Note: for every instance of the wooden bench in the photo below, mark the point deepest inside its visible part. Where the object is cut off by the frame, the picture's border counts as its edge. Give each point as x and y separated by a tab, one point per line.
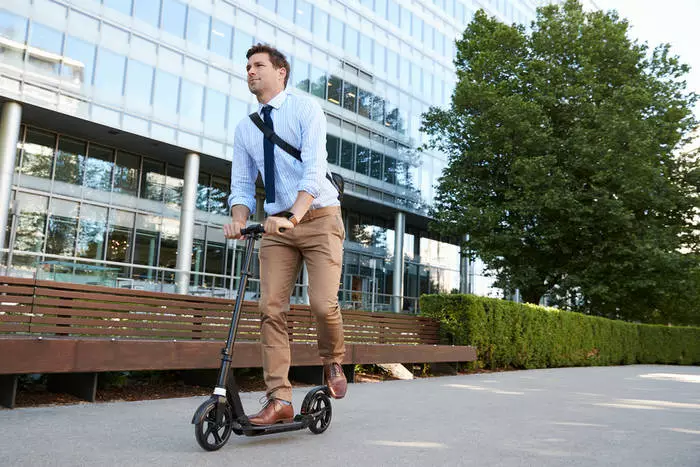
72	332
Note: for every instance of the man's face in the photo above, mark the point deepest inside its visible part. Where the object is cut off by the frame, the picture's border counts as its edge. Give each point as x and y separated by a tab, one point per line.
262	75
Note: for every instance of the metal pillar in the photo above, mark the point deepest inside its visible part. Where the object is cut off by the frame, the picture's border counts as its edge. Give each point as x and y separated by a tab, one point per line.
305	284
466	274
10	120
184	244
399	230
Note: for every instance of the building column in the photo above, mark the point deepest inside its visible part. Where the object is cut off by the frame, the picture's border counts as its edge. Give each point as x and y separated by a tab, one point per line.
466	277
10	120
185	242
399	230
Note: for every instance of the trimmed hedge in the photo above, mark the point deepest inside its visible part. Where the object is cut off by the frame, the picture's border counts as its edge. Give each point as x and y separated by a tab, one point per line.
515	335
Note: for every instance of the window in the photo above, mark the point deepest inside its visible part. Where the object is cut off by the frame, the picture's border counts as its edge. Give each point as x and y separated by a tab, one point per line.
335	90
241	44
350	96
428	32
377	109
376	167
392	64
352	39
390	170
109	75
320	27
218	195
364	103
237	110
366	46
300	75
285	9
269	4
126	173
173	20
191	101
392	13
362	160
123	6
333	149
416	78
174	184
165	95
91	232
406	20
318	82
417	28
80	67
347	155
220	41
49	43
380	8
215	111
146	244
29	235
302	16
335	31
139	84
12	26
379	58
198	27
121	229
69	161
62	227
152	180
98	168
147	11
37	156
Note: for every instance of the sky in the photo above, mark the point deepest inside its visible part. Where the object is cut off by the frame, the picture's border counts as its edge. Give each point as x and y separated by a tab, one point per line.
667	21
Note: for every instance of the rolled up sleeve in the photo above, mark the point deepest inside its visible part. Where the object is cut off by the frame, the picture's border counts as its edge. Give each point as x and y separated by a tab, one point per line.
243	175
313	149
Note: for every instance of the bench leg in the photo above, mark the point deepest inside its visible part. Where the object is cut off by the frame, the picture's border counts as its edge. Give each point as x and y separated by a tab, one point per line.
8	390
443	368
82	385
314	374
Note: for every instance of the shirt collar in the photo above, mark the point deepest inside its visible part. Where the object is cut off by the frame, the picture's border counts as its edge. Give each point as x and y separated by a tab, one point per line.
276	102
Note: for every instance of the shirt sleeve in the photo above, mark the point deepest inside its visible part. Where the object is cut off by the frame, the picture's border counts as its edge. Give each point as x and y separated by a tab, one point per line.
313	149
243	174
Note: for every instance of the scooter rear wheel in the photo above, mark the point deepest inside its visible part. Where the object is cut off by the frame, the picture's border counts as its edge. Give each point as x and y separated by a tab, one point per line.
321	411
211	435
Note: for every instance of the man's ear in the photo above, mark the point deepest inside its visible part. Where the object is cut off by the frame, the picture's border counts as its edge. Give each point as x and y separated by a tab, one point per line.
283	72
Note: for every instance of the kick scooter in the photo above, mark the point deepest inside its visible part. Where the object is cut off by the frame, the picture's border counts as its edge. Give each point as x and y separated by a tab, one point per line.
222	413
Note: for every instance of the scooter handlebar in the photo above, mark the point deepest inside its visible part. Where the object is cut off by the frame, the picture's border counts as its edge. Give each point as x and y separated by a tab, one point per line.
254	229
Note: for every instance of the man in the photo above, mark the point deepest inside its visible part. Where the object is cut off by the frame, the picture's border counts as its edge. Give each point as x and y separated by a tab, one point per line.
303	224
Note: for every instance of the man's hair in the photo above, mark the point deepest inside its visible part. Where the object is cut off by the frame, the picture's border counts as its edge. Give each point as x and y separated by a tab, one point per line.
276	57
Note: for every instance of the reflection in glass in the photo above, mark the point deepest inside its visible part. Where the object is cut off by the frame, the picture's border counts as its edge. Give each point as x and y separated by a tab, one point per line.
126	173
318	82
37	156
69	161
218	196
221	36
148	11
168	246
198	27
109	74
146	245
347	155
300	75
320	27
362	160
98	168
173	20
14	28
333	149
350	96
202	200
139	84
390	170
44	55
80	67
92	230
29	235
365	103
376	167
174	183
335	90
152	180
121	228
191	101
303	14
165	95
62	227
377	109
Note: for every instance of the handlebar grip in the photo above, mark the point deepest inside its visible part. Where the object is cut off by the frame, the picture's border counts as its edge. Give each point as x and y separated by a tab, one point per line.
253	229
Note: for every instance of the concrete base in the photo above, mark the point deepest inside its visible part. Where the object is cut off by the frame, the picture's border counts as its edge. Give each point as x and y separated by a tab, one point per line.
8	390
82	385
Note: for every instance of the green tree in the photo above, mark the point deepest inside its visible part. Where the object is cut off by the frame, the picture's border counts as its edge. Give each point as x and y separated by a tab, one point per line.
562	144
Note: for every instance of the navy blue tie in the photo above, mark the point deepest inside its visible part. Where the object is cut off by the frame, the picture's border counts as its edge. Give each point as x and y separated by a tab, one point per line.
269	158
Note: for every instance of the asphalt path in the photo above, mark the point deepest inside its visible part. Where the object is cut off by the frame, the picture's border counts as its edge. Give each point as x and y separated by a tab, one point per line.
611	416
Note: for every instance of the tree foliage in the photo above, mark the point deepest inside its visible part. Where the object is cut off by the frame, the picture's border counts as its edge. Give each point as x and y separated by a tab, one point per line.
563	164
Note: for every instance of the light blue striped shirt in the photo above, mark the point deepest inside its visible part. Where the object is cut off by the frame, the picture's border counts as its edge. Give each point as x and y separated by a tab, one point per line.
300	121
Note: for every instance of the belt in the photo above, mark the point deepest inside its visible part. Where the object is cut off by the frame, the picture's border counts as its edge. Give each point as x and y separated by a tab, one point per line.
312	214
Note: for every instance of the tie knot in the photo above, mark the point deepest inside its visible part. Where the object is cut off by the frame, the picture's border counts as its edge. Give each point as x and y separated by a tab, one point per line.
266	110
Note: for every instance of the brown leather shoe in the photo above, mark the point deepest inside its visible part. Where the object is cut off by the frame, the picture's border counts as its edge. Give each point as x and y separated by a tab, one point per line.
335	379
273	412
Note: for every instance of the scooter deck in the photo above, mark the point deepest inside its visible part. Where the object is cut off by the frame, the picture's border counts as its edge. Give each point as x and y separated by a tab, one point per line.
257	430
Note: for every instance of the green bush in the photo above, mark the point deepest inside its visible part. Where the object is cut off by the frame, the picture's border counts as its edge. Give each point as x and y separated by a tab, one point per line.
514	335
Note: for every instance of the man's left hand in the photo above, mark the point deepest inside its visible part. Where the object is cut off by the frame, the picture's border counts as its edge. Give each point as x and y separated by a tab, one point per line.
273	224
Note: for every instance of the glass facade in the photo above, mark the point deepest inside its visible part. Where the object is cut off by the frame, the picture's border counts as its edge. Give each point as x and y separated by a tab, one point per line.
173	77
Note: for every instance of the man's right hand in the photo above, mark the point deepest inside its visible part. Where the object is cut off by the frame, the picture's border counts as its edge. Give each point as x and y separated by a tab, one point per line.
233	230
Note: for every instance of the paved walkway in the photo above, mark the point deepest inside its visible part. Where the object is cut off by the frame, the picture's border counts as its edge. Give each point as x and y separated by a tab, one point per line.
615	416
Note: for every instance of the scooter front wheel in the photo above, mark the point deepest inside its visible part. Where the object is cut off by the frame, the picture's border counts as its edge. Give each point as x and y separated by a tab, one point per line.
320	410
210	434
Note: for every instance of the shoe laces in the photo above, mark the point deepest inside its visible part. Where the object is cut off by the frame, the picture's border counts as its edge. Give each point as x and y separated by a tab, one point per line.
336	370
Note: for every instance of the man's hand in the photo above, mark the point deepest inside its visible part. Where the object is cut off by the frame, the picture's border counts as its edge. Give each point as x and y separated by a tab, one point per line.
273	225
233	230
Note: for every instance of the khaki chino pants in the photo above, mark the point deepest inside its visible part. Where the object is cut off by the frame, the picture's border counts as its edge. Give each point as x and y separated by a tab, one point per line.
318	241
